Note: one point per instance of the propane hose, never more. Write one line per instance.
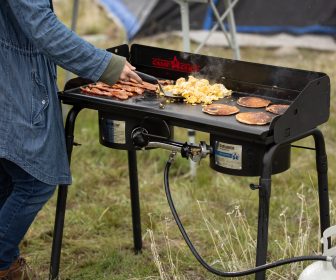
(209, 267)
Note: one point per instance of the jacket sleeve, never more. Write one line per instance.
(59, 43)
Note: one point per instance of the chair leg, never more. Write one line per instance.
(233, 31)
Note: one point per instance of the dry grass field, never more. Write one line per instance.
(219, 211)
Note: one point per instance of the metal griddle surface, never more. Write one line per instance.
(177, 113)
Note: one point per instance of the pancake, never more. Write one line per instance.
(254, 118)
(253, 102)
(277, 109)
(220, 109)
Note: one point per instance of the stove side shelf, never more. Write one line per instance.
(310, 109)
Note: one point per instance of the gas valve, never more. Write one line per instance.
(139, 137)
(196, 153)
(142, 139)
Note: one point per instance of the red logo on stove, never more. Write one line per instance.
(175, 65)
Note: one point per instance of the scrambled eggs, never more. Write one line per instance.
(196, 91)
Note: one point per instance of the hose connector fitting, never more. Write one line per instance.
(172, 157)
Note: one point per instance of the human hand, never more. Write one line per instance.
(128, 73)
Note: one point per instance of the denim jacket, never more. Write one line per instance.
(32, 41)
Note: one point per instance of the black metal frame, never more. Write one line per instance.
(301, 89)
(265, 184)
(61, 198)
(63, 192)
(264, 196)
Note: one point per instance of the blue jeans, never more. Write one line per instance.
(21, 198)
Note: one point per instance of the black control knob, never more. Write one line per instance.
(139, 137)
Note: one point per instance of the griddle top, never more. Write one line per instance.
(176, 113)
(307, 93)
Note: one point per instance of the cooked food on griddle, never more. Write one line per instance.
(166, 82)
(277, 109)
(121, 90)
(254, 118)
(253, 102)
(105, 91)
(130, 89)
(196, 91)
(220, 109)
(144, 85)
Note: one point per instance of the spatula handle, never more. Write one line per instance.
(147, 78)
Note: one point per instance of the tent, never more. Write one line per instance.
(148, 17)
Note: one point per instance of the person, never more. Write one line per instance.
(33, 157)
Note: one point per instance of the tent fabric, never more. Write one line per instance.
(131, 15)
(291, 16)
(148, 17)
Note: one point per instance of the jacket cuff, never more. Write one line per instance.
(113, 70)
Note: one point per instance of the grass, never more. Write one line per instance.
(218, 211)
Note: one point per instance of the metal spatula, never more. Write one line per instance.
(153, 80)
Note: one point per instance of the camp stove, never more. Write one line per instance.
(147, 121)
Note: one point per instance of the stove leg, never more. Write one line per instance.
(58, 232)
(61, 200)
(263, 217)
(135, 201)
(322, 175)
(265, 184)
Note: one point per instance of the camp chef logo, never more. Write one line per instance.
(175, 65)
